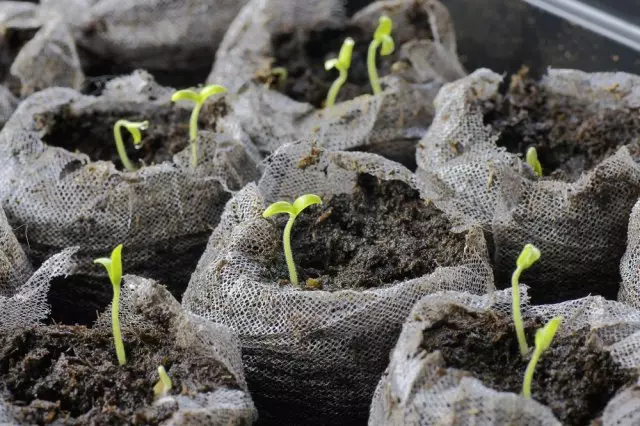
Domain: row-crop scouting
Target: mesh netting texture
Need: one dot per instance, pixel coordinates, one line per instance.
(419, 388)
(8, 104)
(579, 225)
(163, 213)
(389, 123)
(311, 357)
(630, 264)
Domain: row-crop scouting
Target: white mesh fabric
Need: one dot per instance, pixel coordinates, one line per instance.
(8, 104)
(160, 213)
(145, 304)
(419, 389)
(298, 346)
(389, 123)
(630, 263)
(15, 17)
(15, 269)
(578, 226)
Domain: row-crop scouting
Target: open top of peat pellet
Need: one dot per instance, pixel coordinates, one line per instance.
(574, 378)
(571, 135)
(72, 374)
(303, 54)
(380, 234)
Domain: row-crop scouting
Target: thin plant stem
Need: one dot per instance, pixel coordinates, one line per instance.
(193, 133)
(122, 152)
(115, 323)
(528, 374)
(371, 67)
(335, 88)
(286, 242)
(517, 317)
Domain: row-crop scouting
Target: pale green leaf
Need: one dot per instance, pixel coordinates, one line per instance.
(330, 63)
(385, 25)
(185, 95)
(545, 335)
(212, 89)
(346, 51)
(277, 208)
(529, 255)
(387, 46)
(305, 201)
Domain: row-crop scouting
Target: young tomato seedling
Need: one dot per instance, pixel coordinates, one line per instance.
(163, 386)
(528, 257)
(381, 37)
(532, 160)
(293, 210)
(113, 265)
(198, 99)
(342, 64)
(544, 336)
(133, 128)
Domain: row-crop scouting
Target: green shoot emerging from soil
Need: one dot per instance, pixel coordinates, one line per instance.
(342, 64)
(113, 265)
(293, 210)
(532, 160)
(198, 99)
(544, 336)
(133, 128)
(381, 37)
(528, 257)
(164, 384)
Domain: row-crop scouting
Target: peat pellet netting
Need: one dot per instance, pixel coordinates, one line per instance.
(422, 387)
(15, 268)
(313, 353)
(585, 129)
(8, 104)
(62, 183)
(630, 264)
(298, 37)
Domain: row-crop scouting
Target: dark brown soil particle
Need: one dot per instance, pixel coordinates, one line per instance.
(574, 377)
(69, 374)
(381, 234)
(570, 136)
(303, 55)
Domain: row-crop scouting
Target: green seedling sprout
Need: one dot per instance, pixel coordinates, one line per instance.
(293, 210)
(198, 99)
(342, 64)
(528, 257)
(113, 265)
(163, 386)
(532, 160)
(381, 38)
(133, 128)
(544, 337)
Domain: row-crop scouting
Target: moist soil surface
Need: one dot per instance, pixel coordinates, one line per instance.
(304, 53)
(70, 375)
(570, 136)
(573, 377)
(380, 234)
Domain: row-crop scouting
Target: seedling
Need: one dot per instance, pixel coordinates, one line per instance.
(544, 337)
(532, 160)
(198, 99)
(113, 265)
(293, 210)
(342, 64)
(164, 384)
(528, 257)
(133, 128)
(381, 38)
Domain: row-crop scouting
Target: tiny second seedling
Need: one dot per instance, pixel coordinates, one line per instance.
(342, 63)
(293, 210)
(164, 385)
(544, 337)
(532, 160)
(529, 255)
(133, 128)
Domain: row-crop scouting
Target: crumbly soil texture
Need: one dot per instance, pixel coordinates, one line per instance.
(574, 377)
(303, 54)
(571, 136)
(380, 234)
(70, 375)
(91, 132)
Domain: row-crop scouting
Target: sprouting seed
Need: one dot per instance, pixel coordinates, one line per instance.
(293, 210)
(529, 255)
(163, 386)
(544, 337)
(381, 38)
(113, 265)
(342, 64)
(133, 128)
(198, 99)
(532, 160)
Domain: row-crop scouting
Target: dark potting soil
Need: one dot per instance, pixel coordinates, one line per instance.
(303, 55)
(70, 375)
(570, 136)
(381, 234)
(92, 133)
(573, 377)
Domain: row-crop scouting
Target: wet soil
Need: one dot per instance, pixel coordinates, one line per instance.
(381, 234)
(574, 377)
(70, 375)
(303, 55)
(570, 136)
